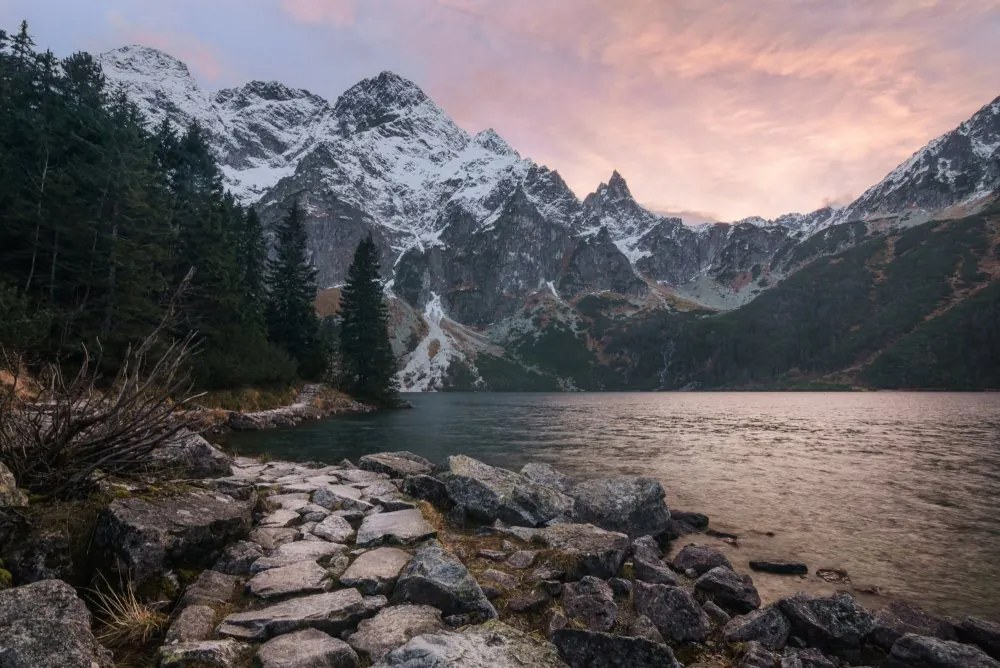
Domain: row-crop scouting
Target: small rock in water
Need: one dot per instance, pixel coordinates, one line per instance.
(780, 567)
(834, 575)
(913, 651)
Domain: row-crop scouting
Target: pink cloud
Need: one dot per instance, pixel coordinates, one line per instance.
(335, 12)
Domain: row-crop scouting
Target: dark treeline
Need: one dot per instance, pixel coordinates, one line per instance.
(102, 218)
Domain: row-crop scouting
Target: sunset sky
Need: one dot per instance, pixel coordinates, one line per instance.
(724, 109)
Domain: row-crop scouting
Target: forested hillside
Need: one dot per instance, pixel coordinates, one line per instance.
(102, 222)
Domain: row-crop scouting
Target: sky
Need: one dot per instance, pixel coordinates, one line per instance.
(717, 110)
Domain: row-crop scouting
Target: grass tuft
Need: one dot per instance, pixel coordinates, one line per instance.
(125, 621)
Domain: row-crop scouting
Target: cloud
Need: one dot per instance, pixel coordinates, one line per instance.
(334, 12)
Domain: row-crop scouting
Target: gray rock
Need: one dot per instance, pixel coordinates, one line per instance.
(331, 612)
(33, 554)
(188, 454)
(489, 493)
(45, 625)
(643, 627)
(353, 517)
(543, 474)
(307, 648)
(631, 505)
(335, 529)
(899, 618)
(195, 622)
(755, 655)
(146, 537)
(913, 651)
(435, 577)
(620, 586)
(391, 503)
(312, 512)
(768, 626)
(730, 590)
(427, 488)
(521, 559)
(648, 563)
(237, 558)
(505, 580)
(718, 616)
(981, 632)
(808, 657)
(529, 601)
(10, 495)
(835, 623)
(304, 577)
(340, 497)
(780, 567)
(584, 549)
(295, 501)
(290, 553)
(361, 476)
(213, 589)
(226, 653)
(700, 559)
(394, 626)
(402, 527)
(281, 518)
(590, 649)
(674, 611)
(591, 602)
(396, 464)
(271, 537)
(376, 571)
(489, 645)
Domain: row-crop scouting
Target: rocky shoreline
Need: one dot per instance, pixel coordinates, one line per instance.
(397, 561)
(314, 402)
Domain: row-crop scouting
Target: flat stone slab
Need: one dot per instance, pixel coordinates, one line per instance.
(331, 612)
(396, 464)
(303, 550)
(402, 527)
(394, 626)
(335, 529)
(227, 653)
(213, 589)
(340, 497)
(307, 648)
(489, 645)
(304, 577)
(194, 623)
(283, 517)
(375, 572)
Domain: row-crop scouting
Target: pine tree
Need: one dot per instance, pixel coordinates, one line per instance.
(291, 317)
(367, 365)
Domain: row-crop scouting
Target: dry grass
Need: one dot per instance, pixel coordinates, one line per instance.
(124, 621)
(250, 399)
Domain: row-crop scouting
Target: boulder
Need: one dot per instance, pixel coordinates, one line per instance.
(304, 577)
(768, 626)
(396, 464)
(489, 493)
(899, 618)
(590, 602)
(213, 589)
(237, 558)
(543, 474)
(187, 454)
(648, 563)
(728, 589)
(489, 645)
(643, 627)
(194, 623)
(36, 553)
(226, 653)
(913, 651)
(307, 648)
(981, 632)
(290, 553)
(394, 626)
(376, 571)
(718, 616)
(629, 504)
(808, 657)
(834, 623)
(584, 549)
(146, 537)
(755, 655)
(402, 527)
(331, 612)
(591, 649)
(335, 529)
(674, 610)
(436, 577)
(700, 559)
(427, 488)
(45, 625)
(10, 495)
(780, 567)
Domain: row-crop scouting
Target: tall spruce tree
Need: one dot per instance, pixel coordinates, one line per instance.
(291, 316)
(367, 365)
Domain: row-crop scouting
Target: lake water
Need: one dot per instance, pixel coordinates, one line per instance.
(901, 490)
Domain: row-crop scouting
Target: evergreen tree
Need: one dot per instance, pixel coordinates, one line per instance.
(367, 365)
(291, 316)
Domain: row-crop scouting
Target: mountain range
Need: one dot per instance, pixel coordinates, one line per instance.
(500, 277)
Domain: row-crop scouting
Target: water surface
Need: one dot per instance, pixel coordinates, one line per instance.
(901, 490)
